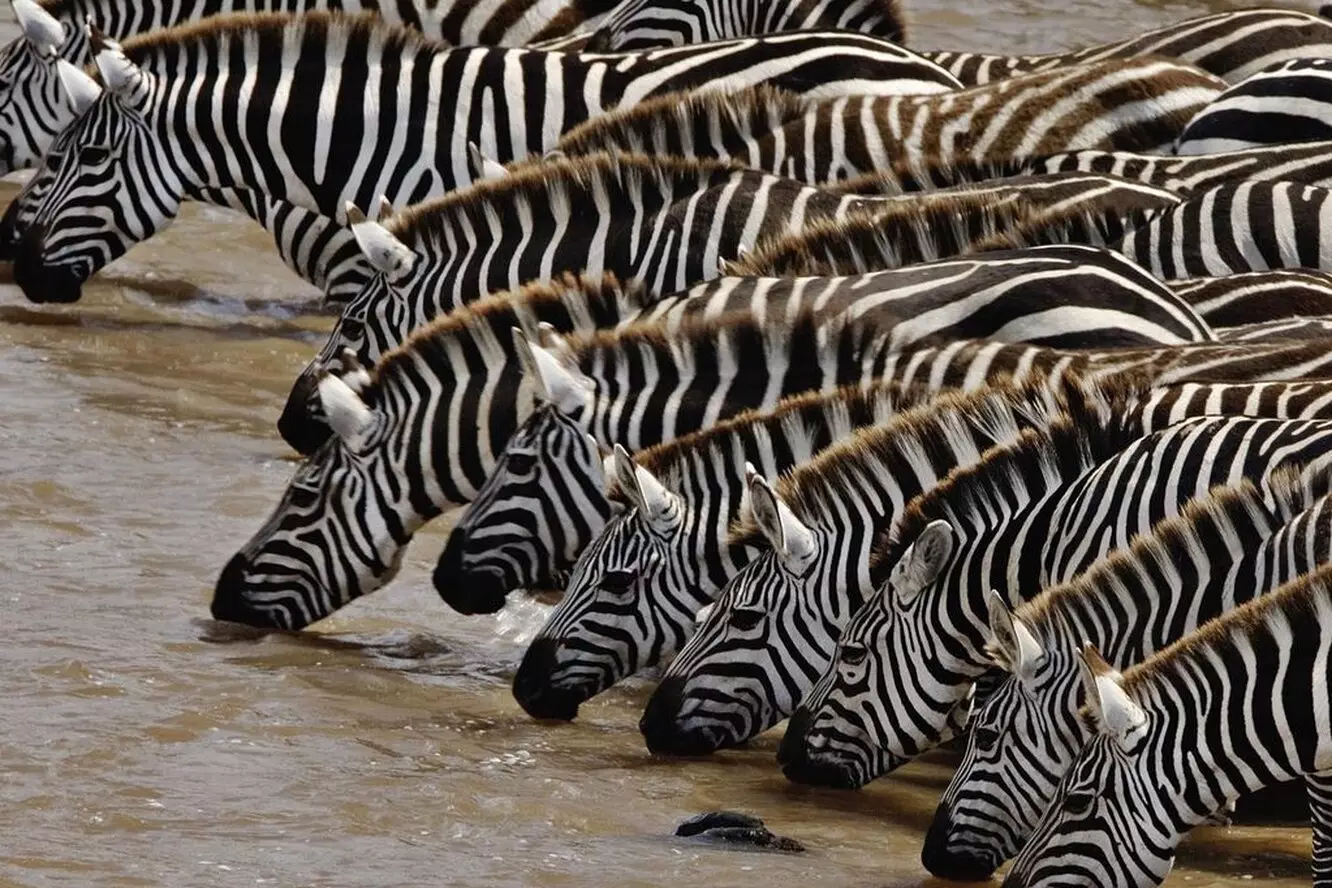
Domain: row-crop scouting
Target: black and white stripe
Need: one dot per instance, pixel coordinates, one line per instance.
(111, 179)
(1236, 706)
(1287, 103)
(1223, 550)
(1031, 515)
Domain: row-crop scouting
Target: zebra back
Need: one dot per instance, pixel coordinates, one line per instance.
(1257, 297)
(1282, 104)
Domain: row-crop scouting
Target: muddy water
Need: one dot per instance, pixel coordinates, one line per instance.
(141, 746)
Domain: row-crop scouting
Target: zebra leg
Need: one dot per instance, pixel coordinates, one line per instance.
(1320, 815)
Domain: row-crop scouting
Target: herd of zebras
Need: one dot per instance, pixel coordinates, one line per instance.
(900, 393)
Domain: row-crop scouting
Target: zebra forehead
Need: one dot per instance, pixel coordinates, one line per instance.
(810, 252)
(585, 301)
(424, 219)
(318, 29)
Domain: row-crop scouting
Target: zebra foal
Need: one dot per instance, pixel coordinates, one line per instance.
(1238, 705)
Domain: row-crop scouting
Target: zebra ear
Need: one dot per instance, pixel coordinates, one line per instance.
(565, 387)
(551, 338)
(1115, 713)
(1016, 647)
(347, 414)
(39, 27)
(121, 76)
(922, 561)
(482, 167)
(80, 89)
(386, 254)
(385, 209)
(653, 500)
(785, 532)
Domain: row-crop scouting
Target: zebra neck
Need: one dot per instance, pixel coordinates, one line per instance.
(1300, 546)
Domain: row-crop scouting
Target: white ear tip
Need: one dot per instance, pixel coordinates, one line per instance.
(621, 452)
(750, 471)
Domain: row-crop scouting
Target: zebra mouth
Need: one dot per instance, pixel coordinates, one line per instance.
(467, 592)
(41, 282)
(953, 863)
(535, 689)
(801, 764)
(663, 729)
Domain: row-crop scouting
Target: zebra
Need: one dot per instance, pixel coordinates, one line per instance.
(110, 179)
(1179, 735)
(693, 372)
(1279, 331)
(664, 221)
(635, 25)
(1129, 105)
(790, 606)
(1232, 45)
(1224, 549)
(1030, 518)
(1257, 297)
(1282, 104)
(33, 110)
(1309, 163)
(1048, 296)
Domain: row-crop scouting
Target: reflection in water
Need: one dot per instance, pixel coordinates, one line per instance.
(147, 745)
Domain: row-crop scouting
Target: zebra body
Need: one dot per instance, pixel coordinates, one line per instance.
(1223, 550)
(119, 172)
(1232, 45)
(1132, 105)
(1309, 163)
(1257, 297)
(36, 110)
(1018, 531)
(1285, 103)
(647, 24)
(1237, 705)
(840, 500)
(1279, 331)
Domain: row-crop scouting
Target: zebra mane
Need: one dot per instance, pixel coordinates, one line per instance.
(754, 111)
(792, 416)
(931, 174)
(571, 303)
(550, 181)
(1282, 495)
(293, 32)
(920, 229)
(1088, 424)
(1294, 604)
(816, 488)
(1097, 227)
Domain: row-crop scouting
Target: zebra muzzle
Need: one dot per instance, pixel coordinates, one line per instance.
(9, 233)
(661, 724)
(298, 425)
(467, 592)
(954, 864)
(39, 281)
(799, 766)
(533, 685)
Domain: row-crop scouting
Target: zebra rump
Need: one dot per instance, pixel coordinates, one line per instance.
(1286, 103)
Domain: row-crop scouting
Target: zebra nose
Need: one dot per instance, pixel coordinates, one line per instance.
(297, 425)
(532, 684)
(229, 594)
(799, 766)
(661, 727)
(954, 864)
(467, 592)
(38, 281)
(9, 233)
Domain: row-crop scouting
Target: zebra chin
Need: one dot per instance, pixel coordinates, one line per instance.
(297, 425)
(954, 864)
(39, 281)
(799, 766)
(468, 592)
(535, 689)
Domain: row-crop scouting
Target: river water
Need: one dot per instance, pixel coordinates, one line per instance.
(142, 746)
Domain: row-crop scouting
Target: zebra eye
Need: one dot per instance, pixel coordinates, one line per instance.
(617, 581)
(986, 738)
(352, 329)
(1078, 804)
(746, 618)
(854, 654)
(94, 155)
(520, 463)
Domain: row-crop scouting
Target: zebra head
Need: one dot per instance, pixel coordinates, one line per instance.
(761, 646)
(338, 532)
(375, 321)
(108, 182)
(1021, 742)
(33, 104)
(1109, 823)
(624, 609)
(890, 689)
(541, 505)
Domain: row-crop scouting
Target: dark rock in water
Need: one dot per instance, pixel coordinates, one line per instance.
(735, 828)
